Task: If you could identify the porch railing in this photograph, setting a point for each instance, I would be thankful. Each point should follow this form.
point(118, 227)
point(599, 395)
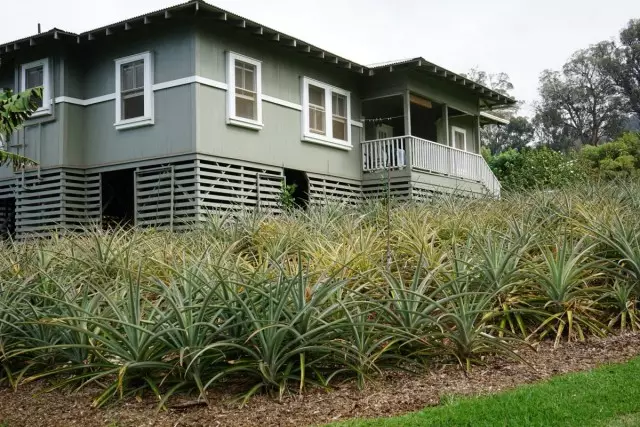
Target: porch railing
point(428, 156)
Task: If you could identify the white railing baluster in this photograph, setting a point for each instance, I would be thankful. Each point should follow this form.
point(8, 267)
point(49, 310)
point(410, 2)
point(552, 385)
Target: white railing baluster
point(421, 154)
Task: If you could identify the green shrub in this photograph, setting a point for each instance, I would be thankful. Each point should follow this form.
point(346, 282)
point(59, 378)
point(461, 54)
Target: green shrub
point(540, 168)
point(616, 159)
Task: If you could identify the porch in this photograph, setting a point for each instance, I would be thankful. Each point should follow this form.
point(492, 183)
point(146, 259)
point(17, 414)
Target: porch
point(409, 131)
point(426, 156)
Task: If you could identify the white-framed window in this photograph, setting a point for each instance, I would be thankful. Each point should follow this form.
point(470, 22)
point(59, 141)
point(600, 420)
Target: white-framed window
point(326, 114)
point(244, 94)
point(134, 93)
point(459, 138)
point(36, 74)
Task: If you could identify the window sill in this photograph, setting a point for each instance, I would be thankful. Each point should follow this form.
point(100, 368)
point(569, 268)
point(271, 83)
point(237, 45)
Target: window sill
point(40, 112)
point(245, 123)
point(335, 143)
point(134, 123)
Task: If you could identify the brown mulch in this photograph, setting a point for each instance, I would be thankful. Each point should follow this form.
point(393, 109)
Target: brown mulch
point(394, 394)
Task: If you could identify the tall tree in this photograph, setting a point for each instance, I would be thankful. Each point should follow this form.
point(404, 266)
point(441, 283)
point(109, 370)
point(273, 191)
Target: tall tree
point(500, 82)
point(621, 62)
point(497, 138)
point(517, 134)
point(581, 104)
point(14, 110)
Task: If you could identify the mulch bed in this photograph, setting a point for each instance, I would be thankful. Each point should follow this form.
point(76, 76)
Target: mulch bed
point(394, 394)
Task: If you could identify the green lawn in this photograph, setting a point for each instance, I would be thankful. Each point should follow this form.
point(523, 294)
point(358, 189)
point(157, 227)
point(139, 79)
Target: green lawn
point(607, 396)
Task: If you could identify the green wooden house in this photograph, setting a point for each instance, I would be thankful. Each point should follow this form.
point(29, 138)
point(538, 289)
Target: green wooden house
point(160, 118)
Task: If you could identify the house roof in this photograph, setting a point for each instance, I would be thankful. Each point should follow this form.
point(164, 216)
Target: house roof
point(191, 8)
point(490, 97)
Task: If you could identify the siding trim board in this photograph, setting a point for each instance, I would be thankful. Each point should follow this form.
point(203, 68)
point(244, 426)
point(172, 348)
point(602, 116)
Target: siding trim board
point(183, 82)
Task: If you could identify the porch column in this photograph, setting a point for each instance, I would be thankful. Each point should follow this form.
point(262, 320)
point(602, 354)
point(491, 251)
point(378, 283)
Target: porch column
point(407, 113)
point(445, 121)
point(477, 119)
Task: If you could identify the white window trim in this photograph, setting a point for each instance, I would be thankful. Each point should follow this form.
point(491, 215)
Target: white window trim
point(327, 139)
point(46, 85)
point(148, 118)
point(232, 118)
point(463, 131)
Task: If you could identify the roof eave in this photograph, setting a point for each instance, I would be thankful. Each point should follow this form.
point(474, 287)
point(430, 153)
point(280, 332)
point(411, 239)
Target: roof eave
point(35, 40)
point(492, 97)
point(493, 119)
point(199, 7)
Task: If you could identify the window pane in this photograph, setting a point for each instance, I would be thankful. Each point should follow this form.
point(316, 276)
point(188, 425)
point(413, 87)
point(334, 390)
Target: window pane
point(316, 96)
point(246, 100)
point(339, 120)
point(459, 139)
point(340, 129)
point(316, 120)
point(140, 74)
point(245, 76)
point(339, 105)
point(133, 105)
point(34, 77)
point(246, 107)
point(132, 75)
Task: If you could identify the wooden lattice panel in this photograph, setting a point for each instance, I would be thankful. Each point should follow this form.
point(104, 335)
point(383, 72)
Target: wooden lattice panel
point(233, 186)
point(39, 203)
point(166, 196)
point(325, 190)
point(399, 188)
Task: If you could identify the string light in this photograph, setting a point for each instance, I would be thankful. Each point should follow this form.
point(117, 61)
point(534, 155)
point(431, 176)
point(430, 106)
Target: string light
point(382, 119)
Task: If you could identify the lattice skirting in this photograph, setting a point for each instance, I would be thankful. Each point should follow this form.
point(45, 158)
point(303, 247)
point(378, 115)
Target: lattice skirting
point(225, 185)
point(61, 198)
point(399, 188)
point(325, 190)
point(7, 208)
point(165, 195)
point(175, 194)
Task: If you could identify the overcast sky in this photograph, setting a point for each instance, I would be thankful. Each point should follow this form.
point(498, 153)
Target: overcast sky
point(519, 37)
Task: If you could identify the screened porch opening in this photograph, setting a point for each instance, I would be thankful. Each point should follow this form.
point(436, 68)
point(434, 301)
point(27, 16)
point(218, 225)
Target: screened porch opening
point(384, 117)
point(426, 116)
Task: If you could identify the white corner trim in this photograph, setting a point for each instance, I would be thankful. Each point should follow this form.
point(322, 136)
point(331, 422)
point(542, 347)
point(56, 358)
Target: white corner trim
point(99, 99)
point(70, 100)
point(212, 83)
point(85, 102)
point(174, 83)
point(183, 82)
point(282, 102)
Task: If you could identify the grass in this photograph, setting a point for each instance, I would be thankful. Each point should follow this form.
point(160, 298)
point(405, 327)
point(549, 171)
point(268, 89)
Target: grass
point(607, 396)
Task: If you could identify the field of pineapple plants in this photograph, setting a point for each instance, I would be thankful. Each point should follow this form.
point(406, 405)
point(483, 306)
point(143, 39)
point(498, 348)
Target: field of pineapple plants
point(279, 305)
